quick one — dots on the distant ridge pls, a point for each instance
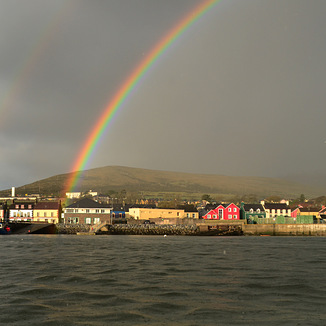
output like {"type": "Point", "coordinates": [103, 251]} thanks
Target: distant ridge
{"type": "Point", "coordinates": [116, 178]}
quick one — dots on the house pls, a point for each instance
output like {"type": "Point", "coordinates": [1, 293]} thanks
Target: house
{"type": "Point", "coordinates": [87, 211]}
{"type": "Point", "coordinates": [118, 211]}
{"type": "Point", "coordinates": [224, 212]}
{"type": "Point", "coordinates": [309, 211]}
{"type": "Point", "coordinates": [250, 212]}
{"type": "Point", "coordinates": [47, 211]}
{"type": "Point", "coordinates": [191, 212]}
{"type": "Point", "coordinates": [276, 209]}
{"type": "Point", "coordinates": [21, 211]}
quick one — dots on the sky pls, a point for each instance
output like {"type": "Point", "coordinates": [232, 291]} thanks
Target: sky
{"type": "Point", "coordinates": [241, 92]}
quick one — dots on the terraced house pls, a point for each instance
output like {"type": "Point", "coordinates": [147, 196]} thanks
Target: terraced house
{"type": "Point", "coordinates": [47, 211]}
{"type": "Point", "coordinates": [274, 210]}
{"type": "Point", "coordinates": [87, 211]}
{"type": "Point", "coordinates": [21, 211]}
{"type": "Point", "coordinates": [250, 212]}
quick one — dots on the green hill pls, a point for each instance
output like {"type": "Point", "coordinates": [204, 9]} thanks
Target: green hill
{"type": "Point", "coordinates": [116, 178]}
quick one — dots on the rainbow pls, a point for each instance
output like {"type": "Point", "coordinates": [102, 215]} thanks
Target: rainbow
{"type": "Point", "coordinates": [127, 87]}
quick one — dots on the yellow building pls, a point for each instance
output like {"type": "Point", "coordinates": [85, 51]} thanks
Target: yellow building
{"type": "Point", "coordinates": [153, 213]}
{"type": "Point", "coordinates": [49, 212]}
{"type": "Point", "coordinates": [309, 211]}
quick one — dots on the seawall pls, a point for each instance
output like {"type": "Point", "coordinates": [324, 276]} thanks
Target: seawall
{"type": "Point", "coordinates": [285, 229]}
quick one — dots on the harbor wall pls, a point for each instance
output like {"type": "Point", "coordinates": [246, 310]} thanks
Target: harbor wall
{"type": "Point", "coordinates": [285, 229]}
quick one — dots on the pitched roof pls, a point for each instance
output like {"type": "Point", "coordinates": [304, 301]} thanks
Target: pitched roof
{"type": "Point", "coordinates": [254, 207]}
{"type": "Point", "coordinates": [276, 206]}
{"type": "Point", "coordinates": [47, 205]}
{"type": "Point", "coordinates": [310, 209]}
{"type": "Point", "coordinates": [87, 203]}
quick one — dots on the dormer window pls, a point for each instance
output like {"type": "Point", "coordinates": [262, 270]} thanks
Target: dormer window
{"type": "Point", "coordinates": [258, 210]}
{"type": "Point", "coordinates": [251, 210]}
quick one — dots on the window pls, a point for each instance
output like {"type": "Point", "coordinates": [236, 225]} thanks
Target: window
{"type": "Point", "coordinates": [193, 215]}
{"type": "Point", "coordinates": [97, 220]}
{"type": "Point", "coordinates": [97, 211]}
{"type": "Point", "coordinates": [178, 214]}
{"type": "Point", "coordinates": [88, 220]}
{"type": "Point", "coordinates": [73, 220]}
{"type": "Point", "coordinates": [251, 210]}
{"type": "Point", "coordinates": [76, 210]}
{"type": "Point", "coordinates": [234, 210]}
{"type": "Point", "coordinates": [29, 206]}
{"type": "Point", "coordinates": [38, 214]}
{"type": "Point", "coordinates": [235, 216]}
{"type": "Point", "coordinates": [44, 214]}
{"type": "Point", "coordinates": [220, 213]}
{"type": "Point", "coordinates": [209, 216]}
{"type": "Point", "coordinates": [229, 216]}
{"type": "Point", "coordinates": [52, 214]}
{"type": "Point", "coordinates": [215, 216]}
{"type": "Point", "coordinates": [258, 210]}
{"type": "Point", "coordinates": [102, 211]}
{"type": "Point", "coordinates": [230, 209]}
{"type": "Point", "coordinates": [87, 210]}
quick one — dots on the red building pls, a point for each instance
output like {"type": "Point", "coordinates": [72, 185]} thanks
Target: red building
{"type": "Point", "coordinates": [223, 212]}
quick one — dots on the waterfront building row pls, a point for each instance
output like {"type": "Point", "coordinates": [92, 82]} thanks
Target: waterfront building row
{"type": "Point", "coordinates": [90, 212]}
{"type": "Point", "coordinates": [32, 211]}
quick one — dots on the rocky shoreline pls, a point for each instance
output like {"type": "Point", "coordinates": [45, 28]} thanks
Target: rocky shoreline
{"type": "Point", "coordinates": [149, 229]}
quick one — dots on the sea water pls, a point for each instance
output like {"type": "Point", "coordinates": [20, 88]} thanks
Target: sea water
{"type": "Point", "coordinates": [156, 280]}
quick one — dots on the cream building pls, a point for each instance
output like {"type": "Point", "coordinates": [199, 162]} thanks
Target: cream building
{"type": "Point", "coordinates": [49, 212]}
{"type": "Point", "coordinates": [152, 213]}
{"type": "Point", "coordinates": [72, 195]}
{"type": "Point", "coordinates": [276, 209]}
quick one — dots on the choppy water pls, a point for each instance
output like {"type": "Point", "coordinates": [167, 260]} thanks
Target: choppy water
{"type": "Point", "coordinates": [152, 280]}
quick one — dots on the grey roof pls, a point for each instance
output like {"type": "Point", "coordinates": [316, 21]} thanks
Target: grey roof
{"type": "Point", "coordinates": [87, 203]}
{"type": "Point", "coordinates": [276, 206]}
{"type": "Point", "coordinates": [310, 209]}
{"type": "Point", "coordinates": [254, 207]}
{"type": "Point", "coordinates": [47, 205]}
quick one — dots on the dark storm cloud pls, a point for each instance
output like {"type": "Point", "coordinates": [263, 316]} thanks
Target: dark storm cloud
{"type": "Point", "coordinates": [241, 92]}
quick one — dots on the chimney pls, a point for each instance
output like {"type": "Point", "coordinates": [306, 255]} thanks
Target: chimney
{"type": "Point", "coordinates": [13, 191]}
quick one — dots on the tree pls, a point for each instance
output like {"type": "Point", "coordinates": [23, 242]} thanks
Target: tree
{"type": "Point", "coordinates": [302, 198]}
{"type": "Point", "coordinates": [206, 197]}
